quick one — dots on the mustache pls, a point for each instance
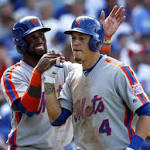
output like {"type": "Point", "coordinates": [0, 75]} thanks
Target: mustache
{"type": "Point", "coordinates": [36, 56]}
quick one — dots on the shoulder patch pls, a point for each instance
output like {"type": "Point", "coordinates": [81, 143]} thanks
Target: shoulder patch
{"type": "Point", "coordinates": [136, 89]}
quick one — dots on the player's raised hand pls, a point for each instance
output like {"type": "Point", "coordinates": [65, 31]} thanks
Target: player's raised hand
{"type": "Point", "coordinates": [47, 61]}
{"type": "Point", "coordinates": [113, 21]}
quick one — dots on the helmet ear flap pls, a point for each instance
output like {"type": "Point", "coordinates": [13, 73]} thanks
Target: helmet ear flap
{"type": "Point", "coordinates": [94, 44]}
{"type": "Point", "coordinates": [21, 45]}
{"type": "Point", "coordinates": [19, 41]}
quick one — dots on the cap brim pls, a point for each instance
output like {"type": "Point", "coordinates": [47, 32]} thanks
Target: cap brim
{"type": "Point", "coordinates": [78, 30]}
{"type": "Point", "coordinates": [37, 29]}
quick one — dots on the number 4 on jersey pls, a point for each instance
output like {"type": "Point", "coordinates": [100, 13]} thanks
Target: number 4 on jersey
{"type": "Point", "coordinates": [105, 127]}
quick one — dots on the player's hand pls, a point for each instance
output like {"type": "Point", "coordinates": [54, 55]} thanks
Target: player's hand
{"type": "Point", "coordinates": [48, 76]}
{"type": "Point", "coordinates": [47, 61]}
{"type": "Point", "coordinates": [113, 21]}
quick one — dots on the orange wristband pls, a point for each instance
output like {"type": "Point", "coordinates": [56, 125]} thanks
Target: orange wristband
{"type": "Point", "coordinates": [106, 49]}
{"type": "Point", "coordinates": [107, 38]}
{"type": "Point", "coordinates": [31, 104]}
{"type": "Point", "coordinates": [36, 78]}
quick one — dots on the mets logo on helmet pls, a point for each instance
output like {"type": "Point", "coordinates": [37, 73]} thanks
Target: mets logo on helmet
{"type": "Point", "coordinates": [78, 21]}
{"type": "Point", "coordinates": [34, 21]}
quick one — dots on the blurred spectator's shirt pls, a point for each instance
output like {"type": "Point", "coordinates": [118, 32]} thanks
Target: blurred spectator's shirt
{"type": "Point", "coordinates": [61, 11]}
{"type": "Point", "coordinates": [141, 20]}
{"type": "Point", "coordinates": [143, 76]}
{"type": "Point", "coordinates": [2, 69]}
{"type": "Point", "coordinates": [12, 51]}
{"type": "Point", "coordinates": [54, 25]}
{"type": "Point", "coordinates": [5, 123]}
{"type": "Point", "coordinates": [24, 11]}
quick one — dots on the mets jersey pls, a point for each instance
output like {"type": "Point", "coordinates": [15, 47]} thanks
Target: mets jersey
{"type": "Point", "coordinates": [35, 132]}
{"type": "Point", "coordinates": [103, 103]}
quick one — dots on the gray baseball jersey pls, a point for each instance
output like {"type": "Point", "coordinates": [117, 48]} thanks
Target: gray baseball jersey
{"type": "Point", "coordinates": [32, 133]}
{"type": "Point", "coordinates": [103, 104]}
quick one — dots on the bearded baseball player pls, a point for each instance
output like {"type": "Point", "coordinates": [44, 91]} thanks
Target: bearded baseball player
{"type": "Point", "coordinates": [110, 110]}
{"type": "Point", "coordinates": [21, 84]}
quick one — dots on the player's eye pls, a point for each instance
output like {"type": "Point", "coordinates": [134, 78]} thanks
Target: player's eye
{"type": "Point", "coordinates": [81, 38]}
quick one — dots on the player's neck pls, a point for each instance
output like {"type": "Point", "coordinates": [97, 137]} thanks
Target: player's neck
{"type": "Point", "coordinates": [90, 61]}
{"type": "Point", "coordinates": [30, 61]}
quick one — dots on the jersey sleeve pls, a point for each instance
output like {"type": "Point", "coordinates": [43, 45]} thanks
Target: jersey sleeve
{"type": "Point", "coordinates": [13, 85]}
{"type": "Point", "coordinates": [130, 89]}
{"type": "Point", "coordinates": [65, 97]}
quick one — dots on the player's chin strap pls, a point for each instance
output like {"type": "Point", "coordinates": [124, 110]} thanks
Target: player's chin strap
{"type": "Point", "coordinates": [49, 75]}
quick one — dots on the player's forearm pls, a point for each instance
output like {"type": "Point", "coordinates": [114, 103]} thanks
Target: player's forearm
{"type": "Point", "coordinates": [143, 126]}
{"type": "Point", "coordinates": [32, 96]}
{"type": "Point", "coordinates": [142, 129]}
{"type": "Point", "coordinates": [52, 104]}
{"type": "Point", "coordinates": [34, 88]}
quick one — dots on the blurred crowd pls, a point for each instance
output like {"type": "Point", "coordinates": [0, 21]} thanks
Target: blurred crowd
{"type": "Point", "coordinates": [130, 44]}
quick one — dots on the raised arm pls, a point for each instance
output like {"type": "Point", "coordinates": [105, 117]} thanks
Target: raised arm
{"type": "Point", "coordinates": [31, 99]}
{"type": "Point", "coordinates": [53, 107]}
{"type": "Point", "coordinates": [57, 113]}
{"type": "Point", "coordinates": [111, 24]}
{"type": "Point", "coordinates": [113, 21]}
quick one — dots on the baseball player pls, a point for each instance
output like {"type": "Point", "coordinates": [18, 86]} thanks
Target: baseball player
{"type": "Point", "coordinates": [109, 107]}
{"type": "Point", "coordinates": [21, 84]}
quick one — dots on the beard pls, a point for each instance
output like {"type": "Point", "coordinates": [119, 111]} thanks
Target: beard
{"type": "Point", "coordinates": [77, 60]}
{"type": "Point", "coordinates": [36, 56]}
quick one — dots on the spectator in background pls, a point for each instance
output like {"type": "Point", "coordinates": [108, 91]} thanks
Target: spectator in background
{"type": "Point", "coordinates": [5, 62]}
{"type": "Point", "coordinates": [6, 9]}
{"type": "Point", "coordinates": [8, 41]}
{"type": "Point", "coordinates": [130, 5]}
{"type": "Point", "coordinates": [30, 8]}
{"type": "Point", "coordinates": [92, 7]}
{"type": "Point", "coordinates": [128, 49]}
{"type": "Point", "coordinates": [65, 9]}
{"type": "Point", "coordinates": [58, 41]}
{"type": "Point", "coordinates": [141, 18]}
{"type": "Point", "coordinates": [107, 9]}
{"type": "Point", "coordinates": [5, 124]}
{"type": "Point", "coordinates": [57, 4]}
{"type": "Point", "coordinates": [46, 16]}
{"type": "Point", "coordinates": [17, 4]}
{"type": "Point", "coordinates": [77, 9]}
{"type": "Point", "coordinates": [7, 20]}
{"type": "Point", "coordinates": [124, 27]}
{"type": "Point", "coordinates": [143, 71]}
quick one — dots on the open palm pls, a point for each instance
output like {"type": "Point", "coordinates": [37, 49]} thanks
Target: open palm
{"type": "Point", "coordinates": [113, 21]}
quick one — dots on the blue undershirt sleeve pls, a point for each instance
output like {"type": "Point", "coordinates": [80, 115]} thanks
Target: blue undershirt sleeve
{"type": "Point", "coordinates": [144, 110]}
{"type": "Point", "coordinates": [62, 118]}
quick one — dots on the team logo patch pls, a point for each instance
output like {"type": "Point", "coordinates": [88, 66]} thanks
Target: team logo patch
{"type": "Point", "coordinates": [34, 21]}
{"type": "Point", "coordinates": [136, 89]}
{"type": "Point", "coordinates": [77, 22]}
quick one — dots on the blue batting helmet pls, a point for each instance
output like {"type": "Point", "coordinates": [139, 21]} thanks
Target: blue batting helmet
{"type": "Point", "coordinates": [90, 26]}
{"type": "Point", "coordinates": [24, 27]}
